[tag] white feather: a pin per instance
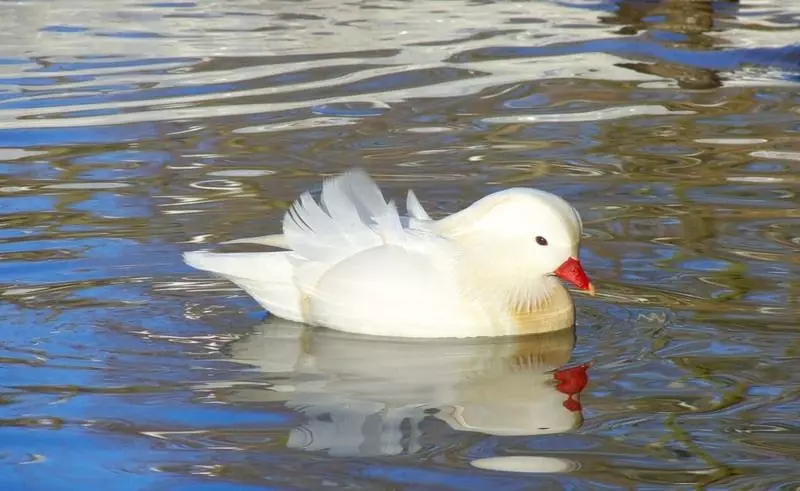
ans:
(415, 208)
(267, 277)
(353, 217)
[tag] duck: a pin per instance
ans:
(351, 262)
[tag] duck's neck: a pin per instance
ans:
(502, 287)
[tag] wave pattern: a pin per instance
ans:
(130, 131)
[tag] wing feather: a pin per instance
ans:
(415, 208)
(352, 215)
(389, 225)
(365, 194)
(340, 205)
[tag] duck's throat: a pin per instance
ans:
(516, 295)
(536, 297)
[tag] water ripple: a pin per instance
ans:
(133, 130)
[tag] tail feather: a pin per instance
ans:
(265, 276)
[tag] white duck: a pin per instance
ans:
(354, 264)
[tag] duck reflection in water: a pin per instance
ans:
(367, 395)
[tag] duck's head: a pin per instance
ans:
(521, 234)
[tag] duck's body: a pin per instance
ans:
(355, 265)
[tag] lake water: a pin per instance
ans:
(131, 131)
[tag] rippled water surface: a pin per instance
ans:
(132, 131)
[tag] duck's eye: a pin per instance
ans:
(541, 241)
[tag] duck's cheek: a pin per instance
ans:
(572, 271)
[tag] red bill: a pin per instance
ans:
(573, 272)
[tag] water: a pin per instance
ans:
(132, 131)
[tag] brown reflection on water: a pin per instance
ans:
(679, 24)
